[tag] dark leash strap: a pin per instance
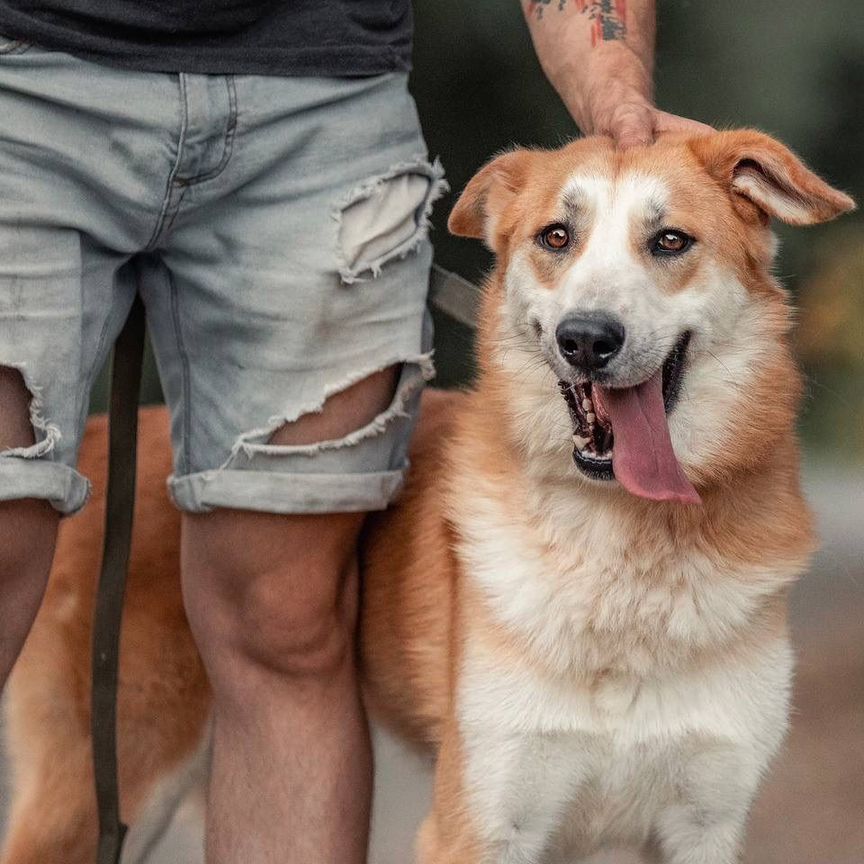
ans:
(455, 296)
(108, 613)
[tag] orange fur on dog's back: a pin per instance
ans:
(163, 693)
(407, 656)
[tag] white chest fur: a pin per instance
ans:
(619, 724)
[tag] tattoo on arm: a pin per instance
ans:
(608, 17)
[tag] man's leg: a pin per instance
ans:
(272, 601)
(28, 529)
(295, 273)
(65, 235)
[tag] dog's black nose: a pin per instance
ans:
(589, 341)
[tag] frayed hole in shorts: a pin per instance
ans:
(342, 413)
(270, 440)
(386, 218)
(20, 399)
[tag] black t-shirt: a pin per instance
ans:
(266, 37)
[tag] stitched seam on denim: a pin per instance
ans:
(228, 144)
(185, 382)
(175, 210)
(91, 374)
(169, 188)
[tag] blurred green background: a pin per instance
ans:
(794, 68)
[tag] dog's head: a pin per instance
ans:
(637, 285)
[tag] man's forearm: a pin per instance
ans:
(596, 53)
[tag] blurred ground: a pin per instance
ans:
(811, 810)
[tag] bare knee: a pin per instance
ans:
(28, 529)
(301, 620)
(276, 594)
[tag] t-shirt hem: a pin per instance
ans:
(323, 60)
(276, 63)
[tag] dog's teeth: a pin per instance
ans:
(580, 442)
(590, 417)
(586, 404)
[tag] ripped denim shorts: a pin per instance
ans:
(276, 230)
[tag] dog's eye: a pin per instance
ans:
(670, 243)
(555, 237)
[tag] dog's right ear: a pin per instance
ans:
(487, 195)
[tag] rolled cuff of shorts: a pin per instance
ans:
(62, 486)
(285, 493)
(360, 472)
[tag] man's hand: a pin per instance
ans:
(630, 117)
(599, 54)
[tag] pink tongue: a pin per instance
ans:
(642, 456)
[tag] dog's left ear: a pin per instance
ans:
(760, 171)
(487, 196)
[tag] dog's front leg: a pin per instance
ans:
(705, 822)
(500, 796)
(450, 834)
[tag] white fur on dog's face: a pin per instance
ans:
(613, 272)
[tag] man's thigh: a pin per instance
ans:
(288, 308)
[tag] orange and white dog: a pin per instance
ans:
(579, 602)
